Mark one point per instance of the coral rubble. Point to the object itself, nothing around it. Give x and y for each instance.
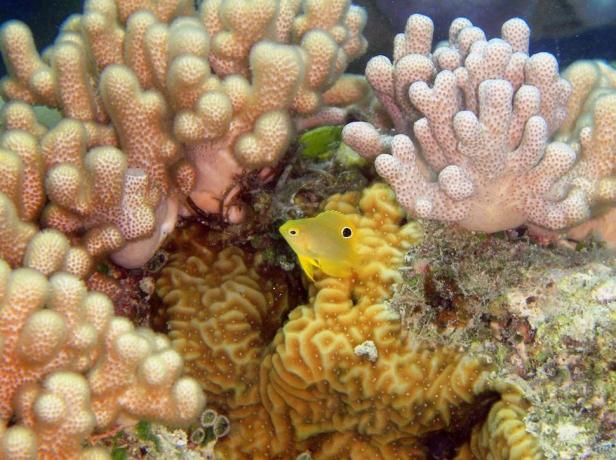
(473, 119)
(544, 315)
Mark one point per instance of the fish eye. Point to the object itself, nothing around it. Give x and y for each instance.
(293, 232)
(347, 232)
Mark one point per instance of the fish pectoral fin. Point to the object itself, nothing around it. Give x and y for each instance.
(335, 268)
(307, 265)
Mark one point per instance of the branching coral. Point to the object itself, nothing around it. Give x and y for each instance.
(165, 110)
(52, 331)
(473, 118)
(315, 390)
(48, 251)
(589, 129)
(161, 102)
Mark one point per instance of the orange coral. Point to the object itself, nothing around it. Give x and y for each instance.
(51, 331)
(162, 102)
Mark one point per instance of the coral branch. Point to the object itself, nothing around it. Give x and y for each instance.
(474, 118)
(194, 100)
(52, 331)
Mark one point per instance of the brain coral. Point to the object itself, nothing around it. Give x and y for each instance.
(339, 378)
(221, 310)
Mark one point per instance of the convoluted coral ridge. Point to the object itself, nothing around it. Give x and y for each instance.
(220, 317)
(338, 380)
(69, 367)
(161, 101)
(315, 382)
(473, 119)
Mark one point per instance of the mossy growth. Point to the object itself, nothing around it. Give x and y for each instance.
(119, 453)
(455, 279)
(543, 315)
(143, 430)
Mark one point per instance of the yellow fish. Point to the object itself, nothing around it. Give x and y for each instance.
(327, 241)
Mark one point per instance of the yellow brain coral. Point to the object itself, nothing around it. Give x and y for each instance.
(221, 310)
(339, 379)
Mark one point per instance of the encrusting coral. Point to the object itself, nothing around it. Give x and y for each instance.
(314, 389)
(161, 102)
(473, 120)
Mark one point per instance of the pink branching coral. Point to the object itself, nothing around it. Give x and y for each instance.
(162, 102)
(473, 120)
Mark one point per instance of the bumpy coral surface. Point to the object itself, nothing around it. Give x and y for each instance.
(339, 378)
(70, 366)
(473, 119)
(223, 313)
(161, 102)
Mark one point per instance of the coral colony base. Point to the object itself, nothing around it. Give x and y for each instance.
(167, 111)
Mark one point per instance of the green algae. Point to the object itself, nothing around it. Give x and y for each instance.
(320, 144)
